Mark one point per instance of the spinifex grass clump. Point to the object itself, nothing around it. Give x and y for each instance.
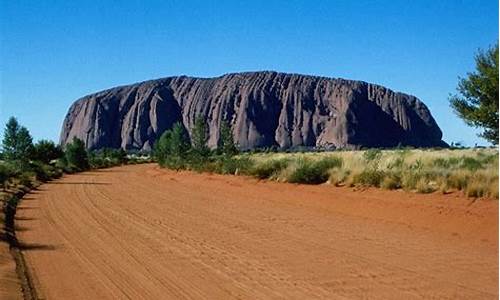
(369, 177)
(391, 181)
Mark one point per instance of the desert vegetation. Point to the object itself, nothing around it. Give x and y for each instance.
(473, 172)
(24, 165)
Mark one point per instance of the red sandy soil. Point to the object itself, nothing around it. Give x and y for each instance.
(10, 286)
(140, 232)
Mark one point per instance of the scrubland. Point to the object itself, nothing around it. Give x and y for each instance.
(473, 172)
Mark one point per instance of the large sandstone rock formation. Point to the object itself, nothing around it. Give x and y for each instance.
(264, 108)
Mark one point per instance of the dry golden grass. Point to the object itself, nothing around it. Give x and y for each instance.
(472, 171)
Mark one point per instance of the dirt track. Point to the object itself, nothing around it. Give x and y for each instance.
(139, 232)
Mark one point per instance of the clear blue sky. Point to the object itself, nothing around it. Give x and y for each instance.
(53, 52)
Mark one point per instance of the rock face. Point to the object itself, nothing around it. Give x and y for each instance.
(264, 109)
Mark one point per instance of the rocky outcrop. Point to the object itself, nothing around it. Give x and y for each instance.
(264, 109)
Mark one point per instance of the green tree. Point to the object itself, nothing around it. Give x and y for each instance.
(477, 103)
(76, 155)
(46, 151)
(17, 142)
(199, 137)
(226, 144)
(172, 147)
(162, 147)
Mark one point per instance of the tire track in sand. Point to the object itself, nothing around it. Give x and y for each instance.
(138, 232)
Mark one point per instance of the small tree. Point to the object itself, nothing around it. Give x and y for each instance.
(17, 142)
(46, 151)
(199, 137)
(172, 147)
(76, 155)
(477, 103)
(226, 144)
(162, 146)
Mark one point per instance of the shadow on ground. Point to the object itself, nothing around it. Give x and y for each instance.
(35, 247)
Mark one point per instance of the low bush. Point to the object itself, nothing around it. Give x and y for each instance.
(174, 163)
(270, 168)
(26, 179)
(313, 172)
(7, 172)
(42, 171)
(234, 165)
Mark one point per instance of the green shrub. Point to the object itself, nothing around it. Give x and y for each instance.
(26, 179)
(107, 157)
(45, 151)
(270, 168)
(172, 147)
(313, 172)
(329, 162)
(174, 163)
(76, 155)
(235, 166)
(6, 174)
(42, 171)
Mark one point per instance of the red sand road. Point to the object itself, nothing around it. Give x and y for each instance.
(138, 232)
